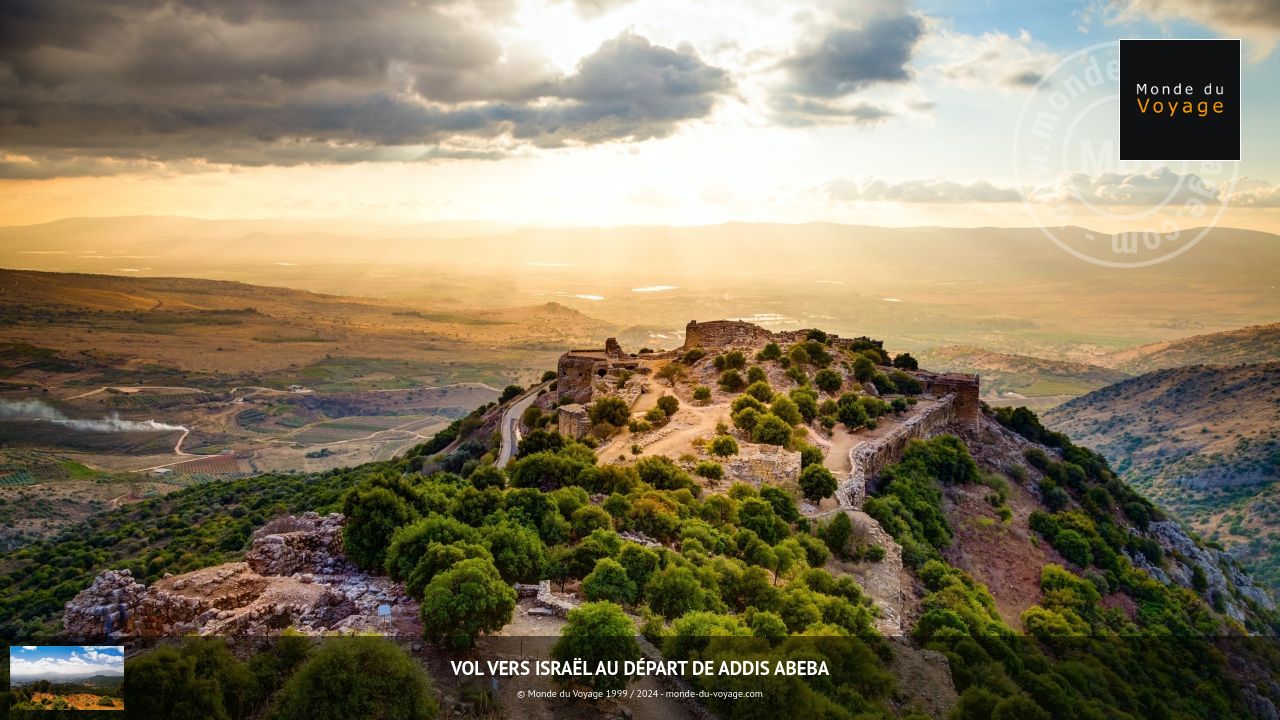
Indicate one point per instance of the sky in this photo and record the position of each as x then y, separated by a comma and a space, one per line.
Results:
602, 112
53, 662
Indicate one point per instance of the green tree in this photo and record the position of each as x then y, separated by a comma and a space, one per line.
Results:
1073, 547
836, 534
609, 581
459, 604
487, 476
408, 543
828, 381
904, 361
731, 381
771, 430
589, 518
439, 557
611, 410
709, 470
197, 680
817, 482
724, 446
356, 677
863, 368
785, 408
669, 404
675, 591
760, 390
373, 515
510, 392
518, 553
598, 632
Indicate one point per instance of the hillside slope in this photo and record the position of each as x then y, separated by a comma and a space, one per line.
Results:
1254, 344
1201, 440
1021, 379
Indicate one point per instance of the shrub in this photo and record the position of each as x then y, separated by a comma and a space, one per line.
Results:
724, 446
771, 430
709, 470
373, 515
437, 558
662, 473
731, 381
760, 391
510, 392
828, 381
518, 553
487, 476
609, 581
755, 374
817, 482
1074, 547
598, 632
611, 410
905, 362
702, 393
655, 416
461, 603
669, 404
770, 351
836, 534
331, 685
785, 408
675, 591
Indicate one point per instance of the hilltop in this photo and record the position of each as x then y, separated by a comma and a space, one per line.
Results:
1254, 344
837, 492
1200, 440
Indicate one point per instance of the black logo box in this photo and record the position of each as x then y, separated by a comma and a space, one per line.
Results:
1185, 64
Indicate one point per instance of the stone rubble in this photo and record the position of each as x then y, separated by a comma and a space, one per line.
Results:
294, 575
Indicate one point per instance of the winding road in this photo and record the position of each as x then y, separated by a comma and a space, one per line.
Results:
511, 421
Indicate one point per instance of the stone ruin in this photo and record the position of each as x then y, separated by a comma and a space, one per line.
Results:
578, 371
294, 575
573, 421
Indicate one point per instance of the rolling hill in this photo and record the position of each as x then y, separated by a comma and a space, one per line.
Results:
1254, 344
1022, 380
1200, 440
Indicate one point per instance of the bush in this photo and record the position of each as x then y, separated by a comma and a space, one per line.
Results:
905, 362
771, 430
785, 408
731, 381
828, 381
339, 682
662, 473
724, 446
373, 515
518, 553
817, 482
1074, 547
487, 476
461, 603
669, 404
198, 680
702, 393
609, 581
770, 351
510, 392
439, 557
598, 632
611, 410
709, 470
755, 374
760, 391
836, 534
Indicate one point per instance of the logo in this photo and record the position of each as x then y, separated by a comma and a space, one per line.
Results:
1092, 194
1179, 99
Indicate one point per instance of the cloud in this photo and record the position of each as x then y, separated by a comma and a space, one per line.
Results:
937, 191
28, 648
993, 59
1159, 186
1252, 193
98, 89
821, 76
78, 663
1254, 20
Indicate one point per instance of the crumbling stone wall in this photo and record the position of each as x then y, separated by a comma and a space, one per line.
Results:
294, 576
963, 386
760, 465
716, 334
869, 458
572, 421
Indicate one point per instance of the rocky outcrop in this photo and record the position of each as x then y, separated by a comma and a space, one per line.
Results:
294, 545
105, 608
294, 576
1186, 555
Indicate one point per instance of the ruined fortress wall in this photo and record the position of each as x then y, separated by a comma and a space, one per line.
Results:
724, 334
869, 458
576, 374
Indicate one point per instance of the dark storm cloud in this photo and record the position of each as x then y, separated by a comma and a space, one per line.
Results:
87, 84
844, 61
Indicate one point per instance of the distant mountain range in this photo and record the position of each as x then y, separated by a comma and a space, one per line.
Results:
98, 679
